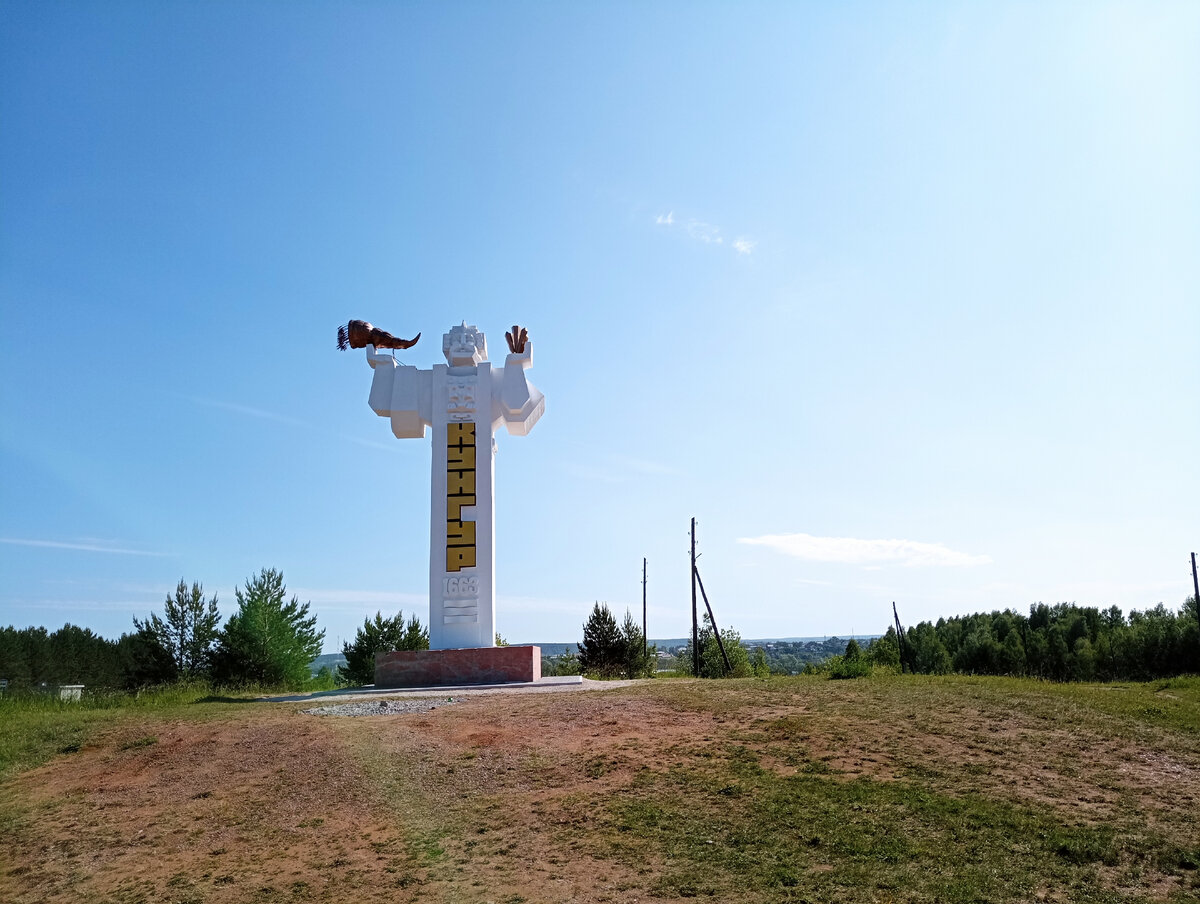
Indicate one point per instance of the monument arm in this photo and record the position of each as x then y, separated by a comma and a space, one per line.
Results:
520, 403
374, 359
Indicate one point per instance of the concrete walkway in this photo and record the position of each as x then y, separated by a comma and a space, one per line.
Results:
542, 685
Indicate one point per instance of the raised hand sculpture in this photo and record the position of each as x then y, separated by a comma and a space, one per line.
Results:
516, 339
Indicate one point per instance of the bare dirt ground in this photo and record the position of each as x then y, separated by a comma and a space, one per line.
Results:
499, 797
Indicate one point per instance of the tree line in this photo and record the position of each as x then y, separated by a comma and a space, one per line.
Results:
272, 642
268, 641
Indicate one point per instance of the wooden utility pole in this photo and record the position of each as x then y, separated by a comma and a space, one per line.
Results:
645, 639
695, 625
1196, 587
713, 619
902, 640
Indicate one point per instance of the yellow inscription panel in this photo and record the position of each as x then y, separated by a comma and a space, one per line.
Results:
459, 434
460, 483
460, 533
460, 491
454, 506
460, 459
460, 557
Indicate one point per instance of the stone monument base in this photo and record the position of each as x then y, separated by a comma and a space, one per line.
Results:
444, 668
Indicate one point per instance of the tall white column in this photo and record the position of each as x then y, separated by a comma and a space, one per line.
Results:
463, 402
462, 573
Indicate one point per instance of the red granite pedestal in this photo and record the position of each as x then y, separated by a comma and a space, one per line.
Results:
442, 668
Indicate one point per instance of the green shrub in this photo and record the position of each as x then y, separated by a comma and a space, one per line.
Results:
380, 635
838, 667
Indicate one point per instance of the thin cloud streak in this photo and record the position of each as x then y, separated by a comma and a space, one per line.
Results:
91, 546
249, 410
592, 473
852, 551
83, 605
284, 419
642, 465
384, 600
369, 443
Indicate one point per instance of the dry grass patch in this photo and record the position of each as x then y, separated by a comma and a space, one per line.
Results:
903, 789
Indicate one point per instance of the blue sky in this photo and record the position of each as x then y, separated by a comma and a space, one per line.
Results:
900, 301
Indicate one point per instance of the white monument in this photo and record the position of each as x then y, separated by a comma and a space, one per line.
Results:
464, 401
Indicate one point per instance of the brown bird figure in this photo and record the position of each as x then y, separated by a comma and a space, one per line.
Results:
517, 339
360, 334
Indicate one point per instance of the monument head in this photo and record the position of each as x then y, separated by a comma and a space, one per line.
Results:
464, 345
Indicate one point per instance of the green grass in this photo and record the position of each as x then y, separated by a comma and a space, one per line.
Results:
35, 727
888, 788
732, 829
721, 825
715, 822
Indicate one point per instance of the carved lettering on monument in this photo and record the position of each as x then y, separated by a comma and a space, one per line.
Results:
465, 587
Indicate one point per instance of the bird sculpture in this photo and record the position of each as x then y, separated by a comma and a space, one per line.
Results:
360, 334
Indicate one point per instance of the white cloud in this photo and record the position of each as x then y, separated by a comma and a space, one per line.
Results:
707, 233
704, 232
851, 551
86, 546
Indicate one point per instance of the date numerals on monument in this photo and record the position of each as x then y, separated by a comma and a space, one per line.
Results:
460, 492
464, 588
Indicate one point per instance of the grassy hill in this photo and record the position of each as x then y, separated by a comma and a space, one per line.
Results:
900, 788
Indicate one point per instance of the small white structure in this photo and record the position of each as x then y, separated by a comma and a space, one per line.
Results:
464, 401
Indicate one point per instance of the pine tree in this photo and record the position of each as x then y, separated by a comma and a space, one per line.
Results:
188, 630
267, 641
603, 649
639, 658
379, 635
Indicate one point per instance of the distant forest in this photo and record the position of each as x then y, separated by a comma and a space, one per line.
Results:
72, 655
1064, 642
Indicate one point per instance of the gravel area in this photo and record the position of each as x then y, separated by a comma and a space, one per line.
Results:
381, 707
